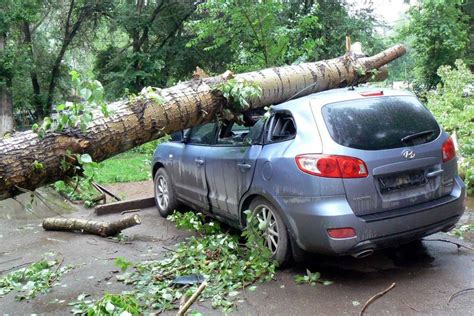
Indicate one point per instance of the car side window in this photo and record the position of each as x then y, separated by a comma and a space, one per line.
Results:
282, 127
202, 134
232, 134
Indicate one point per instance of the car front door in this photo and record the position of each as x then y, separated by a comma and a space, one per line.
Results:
191, 184
230, 165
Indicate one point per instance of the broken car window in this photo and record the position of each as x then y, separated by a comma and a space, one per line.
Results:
203, 134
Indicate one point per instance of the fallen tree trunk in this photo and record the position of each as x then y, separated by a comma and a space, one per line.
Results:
140, 120
103, 229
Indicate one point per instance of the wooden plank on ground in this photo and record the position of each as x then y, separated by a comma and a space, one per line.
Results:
118, 207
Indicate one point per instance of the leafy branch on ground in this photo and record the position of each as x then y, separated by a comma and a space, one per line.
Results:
37, 278
212, 255
110, 304
461, 231
311, 278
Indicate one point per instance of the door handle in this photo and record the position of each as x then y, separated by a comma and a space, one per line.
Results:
244, 165
435, 173
199, 162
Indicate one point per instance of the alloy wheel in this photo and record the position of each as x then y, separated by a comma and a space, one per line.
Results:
266, 218
162, 194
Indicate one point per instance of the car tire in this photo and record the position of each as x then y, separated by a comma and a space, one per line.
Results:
164, 194
279, 243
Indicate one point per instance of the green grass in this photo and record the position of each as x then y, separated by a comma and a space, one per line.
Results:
126, 167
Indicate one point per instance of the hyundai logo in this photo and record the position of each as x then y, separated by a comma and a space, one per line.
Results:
408, 154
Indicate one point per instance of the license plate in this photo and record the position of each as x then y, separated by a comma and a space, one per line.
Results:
402, 181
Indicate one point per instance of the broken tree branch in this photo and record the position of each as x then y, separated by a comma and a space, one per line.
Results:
103, 229
191, 300
104, 190
451, 242
376, 296
459, 293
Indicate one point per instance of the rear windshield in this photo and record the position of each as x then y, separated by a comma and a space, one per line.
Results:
380, 123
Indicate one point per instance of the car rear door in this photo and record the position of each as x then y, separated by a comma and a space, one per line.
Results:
401, 145
230, 165
190, 183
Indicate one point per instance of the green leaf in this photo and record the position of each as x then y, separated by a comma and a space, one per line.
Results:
85, 93
85, 159
109, 307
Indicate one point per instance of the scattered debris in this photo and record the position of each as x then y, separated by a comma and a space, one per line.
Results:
410, 307
376, 296
227, 265
81, 305
191, 300
188, 279
37, 278
461, 231
450, 242
104, 190
130, 211
110, 304
103, 229
458, 293
311, 278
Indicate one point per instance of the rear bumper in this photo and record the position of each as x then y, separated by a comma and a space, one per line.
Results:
309, 219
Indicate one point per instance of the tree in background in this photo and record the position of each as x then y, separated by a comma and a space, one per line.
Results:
14, 53
36, 37
130, 44
135, 49
437, 33
272, 33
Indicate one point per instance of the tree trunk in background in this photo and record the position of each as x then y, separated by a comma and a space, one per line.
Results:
34, 77
140, 120
6, 103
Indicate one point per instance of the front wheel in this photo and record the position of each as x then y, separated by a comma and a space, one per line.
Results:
164, 194
275, 232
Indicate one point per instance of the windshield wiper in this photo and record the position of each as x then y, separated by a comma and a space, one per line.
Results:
416, 135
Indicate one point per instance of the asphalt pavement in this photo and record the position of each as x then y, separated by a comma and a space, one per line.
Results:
426, 274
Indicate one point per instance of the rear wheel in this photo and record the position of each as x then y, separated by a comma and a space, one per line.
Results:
164, 194
275, 232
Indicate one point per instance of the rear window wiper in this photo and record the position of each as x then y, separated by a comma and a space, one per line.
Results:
416, 135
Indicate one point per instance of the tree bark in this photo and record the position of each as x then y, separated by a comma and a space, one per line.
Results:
140, 120
103, 229
6, 103
34, 76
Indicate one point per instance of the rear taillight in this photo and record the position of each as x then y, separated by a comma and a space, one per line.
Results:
448, 150
346, 232
331, 166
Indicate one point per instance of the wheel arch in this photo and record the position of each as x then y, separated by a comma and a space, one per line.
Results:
156, 166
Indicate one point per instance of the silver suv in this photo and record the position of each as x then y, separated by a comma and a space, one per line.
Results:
338, 172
